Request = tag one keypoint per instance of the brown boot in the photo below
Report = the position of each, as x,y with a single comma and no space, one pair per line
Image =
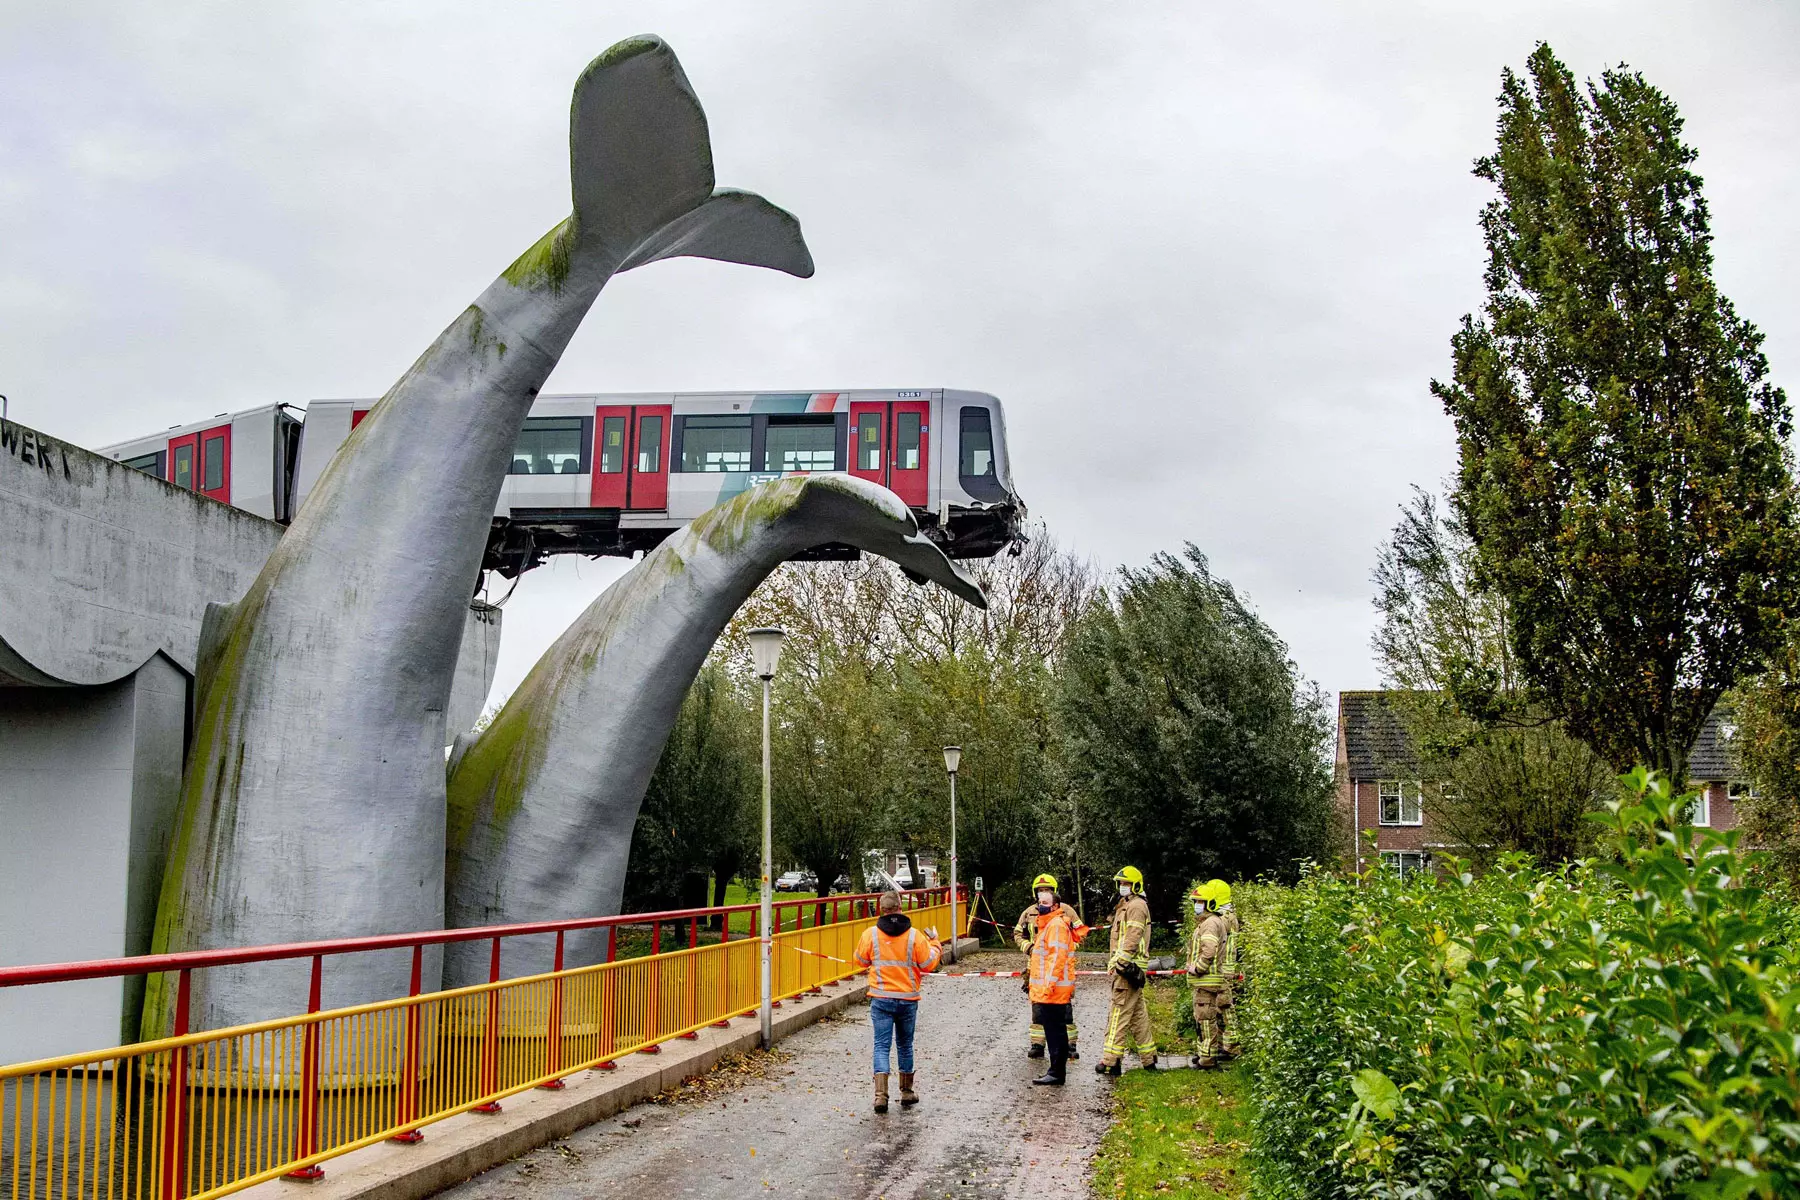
908,1097
881,1092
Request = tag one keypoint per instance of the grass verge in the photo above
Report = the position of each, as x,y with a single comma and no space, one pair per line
1177,1133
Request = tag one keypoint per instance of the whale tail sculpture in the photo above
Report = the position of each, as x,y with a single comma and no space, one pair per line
313,803
544,800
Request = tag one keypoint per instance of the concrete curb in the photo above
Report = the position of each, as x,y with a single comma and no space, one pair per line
463,1146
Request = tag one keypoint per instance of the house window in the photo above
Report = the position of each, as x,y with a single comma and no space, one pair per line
1407,862
1400,802
1700,811
1742,789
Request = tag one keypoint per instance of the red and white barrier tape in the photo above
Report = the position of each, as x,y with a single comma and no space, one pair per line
974,974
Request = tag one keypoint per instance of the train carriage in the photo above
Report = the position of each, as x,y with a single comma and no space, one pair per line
615,474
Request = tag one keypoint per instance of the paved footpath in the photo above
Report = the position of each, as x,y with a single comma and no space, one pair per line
801,1125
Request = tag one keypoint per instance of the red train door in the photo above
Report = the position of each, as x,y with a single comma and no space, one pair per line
213,478
182,452
612,424
868,441
909,451
631,456
649,486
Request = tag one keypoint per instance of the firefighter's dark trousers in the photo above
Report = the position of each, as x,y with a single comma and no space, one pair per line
1055,1020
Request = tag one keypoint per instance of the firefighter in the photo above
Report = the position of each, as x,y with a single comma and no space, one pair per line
1047,899
1055,929
1233,972
1205,967
896,956
1128,1025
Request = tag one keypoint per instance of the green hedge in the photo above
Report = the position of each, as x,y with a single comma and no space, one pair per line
1622,1028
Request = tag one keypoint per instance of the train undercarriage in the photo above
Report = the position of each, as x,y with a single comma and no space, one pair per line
524,540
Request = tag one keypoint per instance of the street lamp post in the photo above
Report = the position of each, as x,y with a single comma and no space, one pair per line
952,760
765,649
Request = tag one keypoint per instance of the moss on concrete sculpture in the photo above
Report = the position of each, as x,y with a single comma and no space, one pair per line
543,801
313,804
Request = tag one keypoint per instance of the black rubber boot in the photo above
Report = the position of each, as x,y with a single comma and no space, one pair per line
1114,1069
1036,1051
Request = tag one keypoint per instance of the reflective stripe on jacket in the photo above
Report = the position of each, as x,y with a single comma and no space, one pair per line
1130,939
1204,951
1230,960
895,963
1053,956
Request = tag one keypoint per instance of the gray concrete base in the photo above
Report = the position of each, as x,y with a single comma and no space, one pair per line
460,1147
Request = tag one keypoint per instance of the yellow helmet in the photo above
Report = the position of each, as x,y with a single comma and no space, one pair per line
1130,875
1046,880
1221,892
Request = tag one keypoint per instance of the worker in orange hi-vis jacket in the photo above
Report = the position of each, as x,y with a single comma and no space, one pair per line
1052,978
897,957
1024,933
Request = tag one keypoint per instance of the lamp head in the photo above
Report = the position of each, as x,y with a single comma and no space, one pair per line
952,758
765,649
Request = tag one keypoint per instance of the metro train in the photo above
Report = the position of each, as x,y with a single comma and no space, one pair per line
615,474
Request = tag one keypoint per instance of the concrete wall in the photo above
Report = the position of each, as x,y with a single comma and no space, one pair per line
89,779
105,574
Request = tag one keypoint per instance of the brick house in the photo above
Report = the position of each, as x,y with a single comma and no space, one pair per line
1379,788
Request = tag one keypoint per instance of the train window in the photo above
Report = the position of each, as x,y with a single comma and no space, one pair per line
801,444
149,464
183,475
212,463
649,445
550,446
906,441
868,442
612,445
715,444
977,444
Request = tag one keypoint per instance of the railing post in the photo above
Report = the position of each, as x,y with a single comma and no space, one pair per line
553,1040
609,1006
306,1138
692,965
406,1102
175,1102
490,1037
653,1004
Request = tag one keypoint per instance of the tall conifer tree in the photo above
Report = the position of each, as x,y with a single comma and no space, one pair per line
1624,471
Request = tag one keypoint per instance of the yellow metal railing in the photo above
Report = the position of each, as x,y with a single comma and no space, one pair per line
206,1114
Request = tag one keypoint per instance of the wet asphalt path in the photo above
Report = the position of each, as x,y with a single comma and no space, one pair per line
802,1125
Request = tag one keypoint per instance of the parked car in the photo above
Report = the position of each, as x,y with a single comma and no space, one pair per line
791,881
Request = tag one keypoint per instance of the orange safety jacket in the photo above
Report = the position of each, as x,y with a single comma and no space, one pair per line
896,962
1053,956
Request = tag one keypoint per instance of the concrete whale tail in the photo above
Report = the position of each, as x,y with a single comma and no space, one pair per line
641,177
543,802
313,797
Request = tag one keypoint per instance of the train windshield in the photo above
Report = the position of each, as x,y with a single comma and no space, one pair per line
977,444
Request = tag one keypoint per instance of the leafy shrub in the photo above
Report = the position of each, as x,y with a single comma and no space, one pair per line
1626,1027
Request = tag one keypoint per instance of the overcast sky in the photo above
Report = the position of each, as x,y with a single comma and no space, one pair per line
1209,257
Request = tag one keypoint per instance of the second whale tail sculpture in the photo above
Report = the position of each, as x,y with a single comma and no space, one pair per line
543,802
313,801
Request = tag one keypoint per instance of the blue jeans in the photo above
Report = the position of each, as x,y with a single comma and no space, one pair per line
894,1020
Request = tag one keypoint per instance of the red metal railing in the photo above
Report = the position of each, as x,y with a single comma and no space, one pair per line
175,1065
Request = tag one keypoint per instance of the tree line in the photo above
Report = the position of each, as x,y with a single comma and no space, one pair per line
1150,718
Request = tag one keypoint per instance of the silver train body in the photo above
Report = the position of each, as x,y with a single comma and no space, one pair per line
615,474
